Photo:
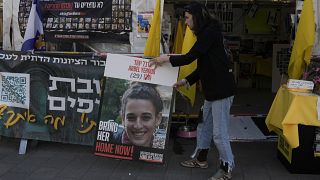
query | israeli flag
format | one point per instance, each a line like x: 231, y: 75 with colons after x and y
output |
x: 34, y: 36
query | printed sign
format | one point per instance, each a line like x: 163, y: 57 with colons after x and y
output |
x: 135, y: 111
x: 144, y: 23
x: 50, y: 97
x: 138, y: 69
x: 80, y: 20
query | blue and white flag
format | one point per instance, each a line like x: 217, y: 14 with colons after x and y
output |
x: 34, y: 36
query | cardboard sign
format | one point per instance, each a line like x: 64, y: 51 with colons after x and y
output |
x: 135, y: 110
x: 138, y: 69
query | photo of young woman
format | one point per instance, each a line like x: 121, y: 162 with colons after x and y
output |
x: 141, y: 114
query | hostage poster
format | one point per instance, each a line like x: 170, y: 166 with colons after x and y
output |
x: 81, y: 20
x: 135, y: 110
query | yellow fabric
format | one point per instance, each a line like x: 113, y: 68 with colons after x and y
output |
x: 152, y: 47
x: 290, y: 109
x: 177, y: 44
x: 303, y: 43
x: 188, y: 42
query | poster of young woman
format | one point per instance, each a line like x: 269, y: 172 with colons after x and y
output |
x: 135, y: 110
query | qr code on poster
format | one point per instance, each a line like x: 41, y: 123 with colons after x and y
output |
x: 15, y: 89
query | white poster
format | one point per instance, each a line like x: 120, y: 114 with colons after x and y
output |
x: 135, y: 110
x: 138, y: 69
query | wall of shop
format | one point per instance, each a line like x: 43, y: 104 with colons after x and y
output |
x: 254, y: 27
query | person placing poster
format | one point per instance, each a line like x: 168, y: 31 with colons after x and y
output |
x: 135, y: 110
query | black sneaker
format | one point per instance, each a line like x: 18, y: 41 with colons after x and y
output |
x: 194, y: 163
x: 221, y: 175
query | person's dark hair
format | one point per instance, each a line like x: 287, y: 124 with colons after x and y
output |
x: 143, y: 91
x: 201, y: 17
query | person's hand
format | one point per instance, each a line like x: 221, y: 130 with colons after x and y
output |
x: 182, y: 82
x: 158, y: 61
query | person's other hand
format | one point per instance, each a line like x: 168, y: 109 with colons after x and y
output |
x: 158, y: 61
x: 182, y: 82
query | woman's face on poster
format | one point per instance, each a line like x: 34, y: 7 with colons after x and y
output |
x: 140, y: 121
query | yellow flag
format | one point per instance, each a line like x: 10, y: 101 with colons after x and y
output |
x: 303, y: 43
x: 178, y: 40
x: 189, y: 40
x: 152, y: 47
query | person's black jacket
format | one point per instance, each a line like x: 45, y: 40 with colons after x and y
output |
x: 212, y: 65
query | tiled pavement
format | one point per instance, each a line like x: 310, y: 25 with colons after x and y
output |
x: 48, y: 160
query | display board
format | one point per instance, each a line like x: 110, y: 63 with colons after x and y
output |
x: 50, y: 97
x: 80, y: 20
x: 135, y: 110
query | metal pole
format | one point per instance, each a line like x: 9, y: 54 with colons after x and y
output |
x: 74, y: 47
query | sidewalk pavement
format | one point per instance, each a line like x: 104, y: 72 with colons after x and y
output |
x: 57, y: 161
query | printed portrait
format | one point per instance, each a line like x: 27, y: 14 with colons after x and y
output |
x: 142, y: 112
